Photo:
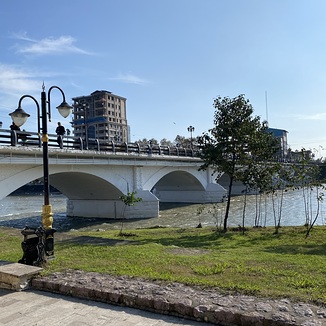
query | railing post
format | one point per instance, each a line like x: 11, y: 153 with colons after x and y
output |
x: 14, y: 138
x: 39, y: 140
x: 81, y: 145
x: 97, y: 144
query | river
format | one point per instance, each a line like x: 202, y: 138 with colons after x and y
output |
x: 19, y: 211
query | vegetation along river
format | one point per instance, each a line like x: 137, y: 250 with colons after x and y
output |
x: 19, y: 211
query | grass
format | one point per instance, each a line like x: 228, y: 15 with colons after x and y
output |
x: 257, y: 263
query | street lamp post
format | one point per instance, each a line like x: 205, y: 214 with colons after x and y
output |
x: 19, y: 116
x: 191, y: 129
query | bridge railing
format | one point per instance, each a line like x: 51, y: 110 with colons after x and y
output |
x: 33, y: 139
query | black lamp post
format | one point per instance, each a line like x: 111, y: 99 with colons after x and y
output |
x: 19, y: 117
x: 191, y: 129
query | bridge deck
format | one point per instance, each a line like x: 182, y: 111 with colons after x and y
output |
x: 26, y: 139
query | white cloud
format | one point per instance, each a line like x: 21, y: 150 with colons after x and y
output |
x: 316, y: 116
x: 130, y: 79
x: 14, y: 80
x: 49, y: 45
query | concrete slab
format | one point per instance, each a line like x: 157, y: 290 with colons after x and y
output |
x: 17, y: 277
x: 27, y: 308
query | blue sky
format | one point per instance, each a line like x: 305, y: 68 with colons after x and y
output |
x: 170, y: 59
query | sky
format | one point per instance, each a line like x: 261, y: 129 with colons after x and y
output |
x: 170, y: 59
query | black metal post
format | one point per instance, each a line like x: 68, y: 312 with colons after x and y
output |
x: 45, y: 141
x: 39, y: 251
x: 47, y: 215
x: 191, y: 129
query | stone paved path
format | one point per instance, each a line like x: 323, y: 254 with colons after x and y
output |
x: 182, y: 301
x: 35, y: 308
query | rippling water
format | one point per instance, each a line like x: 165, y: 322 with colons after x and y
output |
x: 19, y: 211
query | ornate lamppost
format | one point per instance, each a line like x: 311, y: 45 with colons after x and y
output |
x: 19, y: 117
x: 191, y: 129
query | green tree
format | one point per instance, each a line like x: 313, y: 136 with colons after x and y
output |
x: 145, y: 141
x: 181, y: 141
x: 281, y: 181
x: 237, y: 142
x: 129, y: 199
x: 307, y: 179
x: 165, y: 142
x: 257, y: 168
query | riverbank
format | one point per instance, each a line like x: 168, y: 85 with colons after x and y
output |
x: 258, y: 262
x: 257, y: 278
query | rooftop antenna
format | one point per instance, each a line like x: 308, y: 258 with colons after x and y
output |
x: 266, y: 107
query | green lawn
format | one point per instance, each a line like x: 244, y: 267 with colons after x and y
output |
x: 258, y: 262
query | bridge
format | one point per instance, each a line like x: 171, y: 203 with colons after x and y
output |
x: 94, y: 178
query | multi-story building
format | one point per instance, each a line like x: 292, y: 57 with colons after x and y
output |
x: 100, y: 115
x: 281, y: 135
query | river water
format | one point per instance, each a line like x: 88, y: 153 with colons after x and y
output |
x: 21, y: 211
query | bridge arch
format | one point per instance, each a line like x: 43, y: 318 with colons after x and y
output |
x: 185, y: 177
x: 183, y: 185
x: 238, y: 188
x: 19, y: 177
x: 81, y: 185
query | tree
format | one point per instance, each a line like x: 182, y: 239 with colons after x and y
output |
x: 257, y: 169
x: 307, y: 178
x: 165, y: 142
x: 146, y: 141
x: 181, y: 141
x: 281, y: 180
x: 129, y: 200
x: 236, y: 143
x: 143, y: 141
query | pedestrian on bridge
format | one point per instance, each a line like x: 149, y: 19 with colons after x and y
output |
x: 60, y: 130
x: 14, y: 127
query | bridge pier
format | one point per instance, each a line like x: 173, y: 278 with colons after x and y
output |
x: 114, y: 209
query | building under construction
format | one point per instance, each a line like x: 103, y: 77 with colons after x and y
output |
x: 100, y: 115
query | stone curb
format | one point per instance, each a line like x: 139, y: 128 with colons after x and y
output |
x: 221, y: 310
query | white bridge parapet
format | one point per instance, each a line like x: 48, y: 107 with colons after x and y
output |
x: 94, y: 181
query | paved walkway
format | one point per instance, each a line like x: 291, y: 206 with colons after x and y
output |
x: 36, y: 308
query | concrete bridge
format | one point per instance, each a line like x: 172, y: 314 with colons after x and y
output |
x: 94, y: 180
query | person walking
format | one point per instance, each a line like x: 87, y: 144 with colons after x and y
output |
x: 14, y: 127
x: 14, y: 136
x: 60, y: 130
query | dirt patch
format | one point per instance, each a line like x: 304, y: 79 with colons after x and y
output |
x: 87, y: 240
x: 187, y: 251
